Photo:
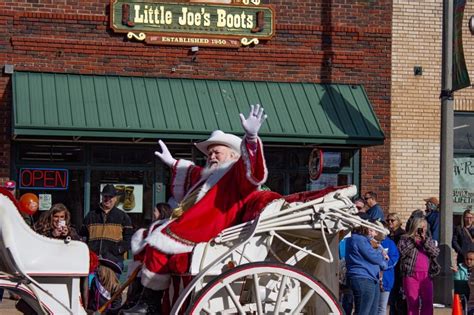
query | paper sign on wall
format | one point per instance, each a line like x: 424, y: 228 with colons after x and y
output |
x: 463, y: 183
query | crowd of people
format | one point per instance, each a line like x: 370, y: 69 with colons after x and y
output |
x: 404, y: 263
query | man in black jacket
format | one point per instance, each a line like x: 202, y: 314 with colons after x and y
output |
x: 107, y: 229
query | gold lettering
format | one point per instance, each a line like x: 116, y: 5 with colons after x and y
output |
x: 182, y: 18
x: 221, y: 18
x: 150, y: 15
x: 168, y: 18
x: 249, y: 21
x: 138, y: 17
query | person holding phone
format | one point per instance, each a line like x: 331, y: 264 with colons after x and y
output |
x: 418, y: 266
x: 56, y: 223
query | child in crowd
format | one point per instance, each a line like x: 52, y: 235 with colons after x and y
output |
x: 461, y: 277
x: 104, y: 284
x: 469, y: 261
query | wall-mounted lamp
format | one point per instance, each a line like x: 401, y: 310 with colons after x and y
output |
x: 418, y: 70
x: 193, y: 52
x: 8, y: 69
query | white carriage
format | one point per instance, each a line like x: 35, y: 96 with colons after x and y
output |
x: 281, y: 262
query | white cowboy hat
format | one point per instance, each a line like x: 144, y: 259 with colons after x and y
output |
x: 222, y: 138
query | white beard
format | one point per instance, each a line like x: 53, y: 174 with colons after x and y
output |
x: 211, y: 169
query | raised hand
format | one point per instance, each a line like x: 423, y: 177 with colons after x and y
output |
x: 253, y: 123
x: 165, y: 154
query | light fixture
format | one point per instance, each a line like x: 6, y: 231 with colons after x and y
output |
x: 8, y: 69
x: 418, y: 70
x: 194, y: 49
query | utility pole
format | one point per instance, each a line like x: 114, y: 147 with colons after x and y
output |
x: 444, y: 283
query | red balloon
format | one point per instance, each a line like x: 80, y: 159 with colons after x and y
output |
x: 29, y: 203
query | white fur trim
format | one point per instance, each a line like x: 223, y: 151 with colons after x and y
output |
x: 138, y: 241
x: 181, y: 169
x: 155, y: 281
x: 166, y: 243
x: 248, y: 166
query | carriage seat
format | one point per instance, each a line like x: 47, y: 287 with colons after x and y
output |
x: 32, y: 253
x: 254, y: 205
x: 258, y: 200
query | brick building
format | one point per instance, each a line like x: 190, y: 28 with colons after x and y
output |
x: 415, y: 105
x: 86, y: 100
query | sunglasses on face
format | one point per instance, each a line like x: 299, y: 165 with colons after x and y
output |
x: 391, y: 220
x: 367, y: 198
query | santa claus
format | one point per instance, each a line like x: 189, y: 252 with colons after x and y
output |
x: 209, y: 200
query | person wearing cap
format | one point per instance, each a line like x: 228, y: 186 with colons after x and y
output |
x: 432, y: 216
x: 107, y: 229
x: 104, y: 284
x: 209, y: 200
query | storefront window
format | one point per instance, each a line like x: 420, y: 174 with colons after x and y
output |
x: 72, y: 197
x: 288, y: 169
x: 119, y: 154
x: 48, y: 153
x: 129, y: 167
x: 142, y: 179
x: 463, y: 164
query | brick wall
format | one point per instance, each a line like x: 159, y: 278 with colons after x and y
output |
x: 416, y: 115
x: 316, y: 41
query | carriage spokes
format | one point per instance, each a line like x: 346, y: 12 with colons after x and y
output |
x: 264, y: 288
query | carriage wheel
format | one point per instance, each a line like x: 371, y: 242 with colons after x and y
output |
x: 264, y: 288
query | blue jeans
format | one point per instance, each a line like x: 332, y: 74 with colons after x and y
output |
x: 366, y: 295
x: 383, y: 301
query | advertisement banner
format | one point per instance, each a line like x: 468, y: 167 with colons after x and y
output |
x: 460, y: 74
x: 463, y: 184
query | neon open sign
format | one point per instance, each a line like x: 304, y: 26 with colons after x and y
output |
x: 44, y: 178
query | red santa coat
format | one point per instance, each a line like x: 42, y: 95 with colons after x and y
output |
x: 219, y: 200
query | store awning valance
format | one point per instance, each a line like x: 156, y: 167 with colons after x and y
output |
x: 50, y: 105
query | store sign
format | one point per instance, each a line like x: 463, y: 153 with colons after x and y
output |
x: 194, y: 24
x: 463, y: 184
x: 44, y: 178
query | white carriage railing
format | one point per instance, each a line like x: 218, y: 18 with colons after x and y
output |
x: 325, y: 215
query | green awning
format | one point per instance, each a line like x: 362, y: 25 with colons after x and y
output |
x: 48, y: 105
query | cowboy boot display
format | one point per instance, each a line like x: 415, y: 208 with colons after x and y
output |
x: 260, y: 22
x: 129, y: 198
x: 126, y: 15
x: 148, y: 303
x: 120, y: 194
